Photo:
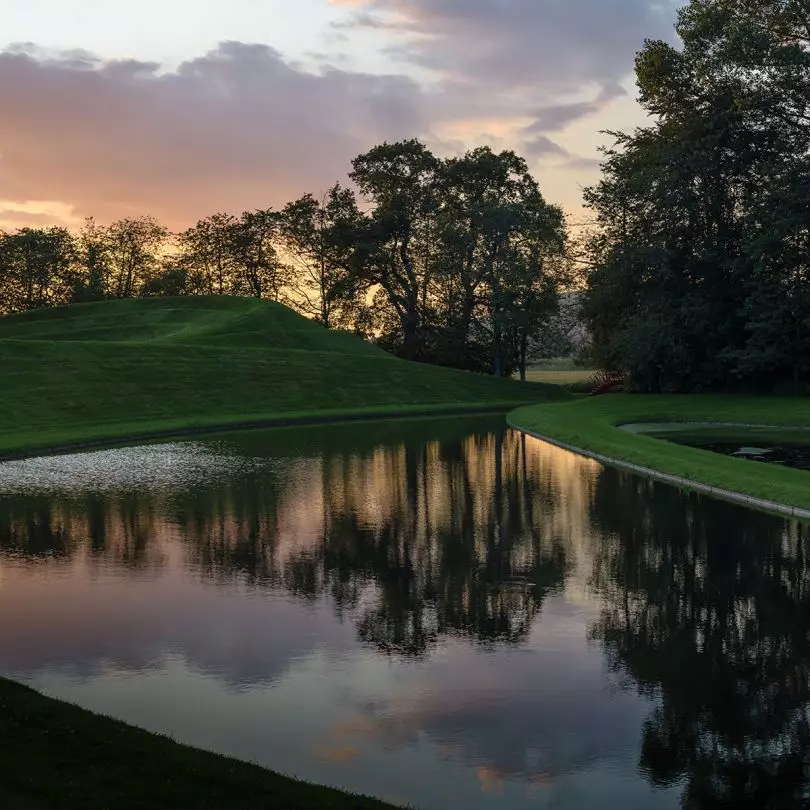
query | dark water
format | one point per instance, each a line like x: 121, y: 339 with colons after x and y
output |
x: 440, y: 613
x: 788, y: 455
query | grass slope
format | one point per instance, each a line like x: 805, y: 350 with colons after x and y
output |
x: 196, y: 320
x: 120, y: 368
x: 592, y: 423
x: 56, y: 755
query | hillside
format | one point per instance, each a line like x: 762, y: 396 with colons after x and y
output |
x: 198, y: 320
x: 120, y: 368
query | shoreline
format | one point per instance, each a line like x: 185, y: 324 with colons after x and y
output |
x: 611, y: 429
x: 58, y: 754
x: 674, y: 480
x: 267, y: 423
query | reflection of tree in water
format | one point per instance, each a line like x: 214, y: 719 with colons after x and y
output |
x: 118, y: 530
x: 413, y: 540
x: 708, y: 608
x: 449, y: 550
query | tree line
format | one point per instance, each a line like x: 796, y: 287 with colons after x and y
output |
x: 702, y: 248
x: 457, y: 261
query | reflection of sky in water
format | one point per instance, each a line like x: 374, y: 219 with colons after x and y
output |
x: 231, y: 614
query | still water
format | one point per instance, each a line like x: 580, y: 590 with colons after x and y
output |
x: 440, y: 613
x: 787, y: 455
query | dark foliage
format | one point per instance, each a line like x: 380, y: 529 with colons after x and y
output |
x: 700, y: 276
x: 457, y: 262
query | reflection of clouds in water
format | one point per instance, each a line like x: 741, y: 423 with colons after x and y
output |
x: 241, y: 639
x: 253, y: 579
x: 508, y: 715
x: 177, y: 465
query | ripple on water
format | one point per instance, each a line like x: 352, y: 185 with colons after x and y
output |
x: 172, y: 465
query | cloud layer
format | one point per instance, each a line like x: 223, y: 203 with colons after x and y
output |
x: 235, y: 129
x: 240, y: 127
x: 518, y: 44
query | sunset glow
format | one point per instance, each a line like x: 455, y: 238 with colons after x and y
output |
x: 107, y: 113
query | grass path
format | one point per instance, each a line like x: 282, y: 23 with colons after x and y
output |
x: 592, y: 424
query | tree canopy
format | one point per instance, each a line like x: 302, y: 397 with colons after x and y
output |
x: 700, y: 260
x: 454, y: 261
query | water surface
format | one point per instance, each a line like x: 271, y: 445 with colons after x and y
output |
x: 443, y: 613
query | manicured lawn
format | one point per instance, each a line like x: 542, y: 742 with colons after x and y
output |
x: 592, y: 423
x: 56, y: 755
x: 133, y: 367
x: 552, y: 376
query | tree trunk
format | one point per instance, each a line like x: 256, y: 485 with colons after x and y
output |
x: 410, y: 338
x: 497, y: 347
x: 497, y: 364
x: 524, y: 347
x: 797, y: 354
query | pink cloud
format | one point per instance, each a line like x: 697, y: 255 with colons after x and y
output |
x: 241, y: 128
x: 237, y: 128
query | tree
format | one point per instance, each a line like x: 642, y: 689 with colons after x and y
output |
x: 259, y: 271
x: 531, y: 297
x: 207, y: 252
x: 399, y: 179
x: 675, y: 299
x: 92, y: 281
x: 464, y: 251
x: 37, y: 267
x: 503, y: 246
x: 133, y: 250
x: 777, y: 286
x: 319, y: 236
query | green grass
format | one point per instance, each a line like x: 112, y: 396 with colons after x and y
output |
x: 143, y: 366
x: 564, y: 363
x: 592, y: 424
x: 194, y: 320
x: 56, y: 755
x: 564, y: 377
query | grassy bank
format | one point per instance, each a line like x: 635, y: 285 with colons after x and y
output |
x: 592, y: 424
x: 134, y: 367
x: 56, y: 755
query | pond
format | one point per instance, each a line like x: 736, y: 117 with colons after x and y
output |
x: 438, y: 612
x: 789, y: 447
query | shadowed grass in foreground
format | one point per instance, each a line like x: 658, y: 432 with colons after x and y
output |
x: 592, y: 424
x: 56, y: 755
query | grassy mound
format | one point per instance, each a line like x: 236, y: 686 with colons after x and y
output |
x: 193, y: 320
x: 122, y: 368
x: 58, y: 755
x: 592, y: 424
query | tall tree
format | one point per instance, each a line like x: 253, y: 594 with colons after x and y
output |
x: 684, y: 203
x: 501, y: 243
x: 399, y: 180
x: 319, y: 236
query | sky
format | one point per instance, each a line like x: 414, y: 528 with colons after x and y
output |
x: 181, y: 108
